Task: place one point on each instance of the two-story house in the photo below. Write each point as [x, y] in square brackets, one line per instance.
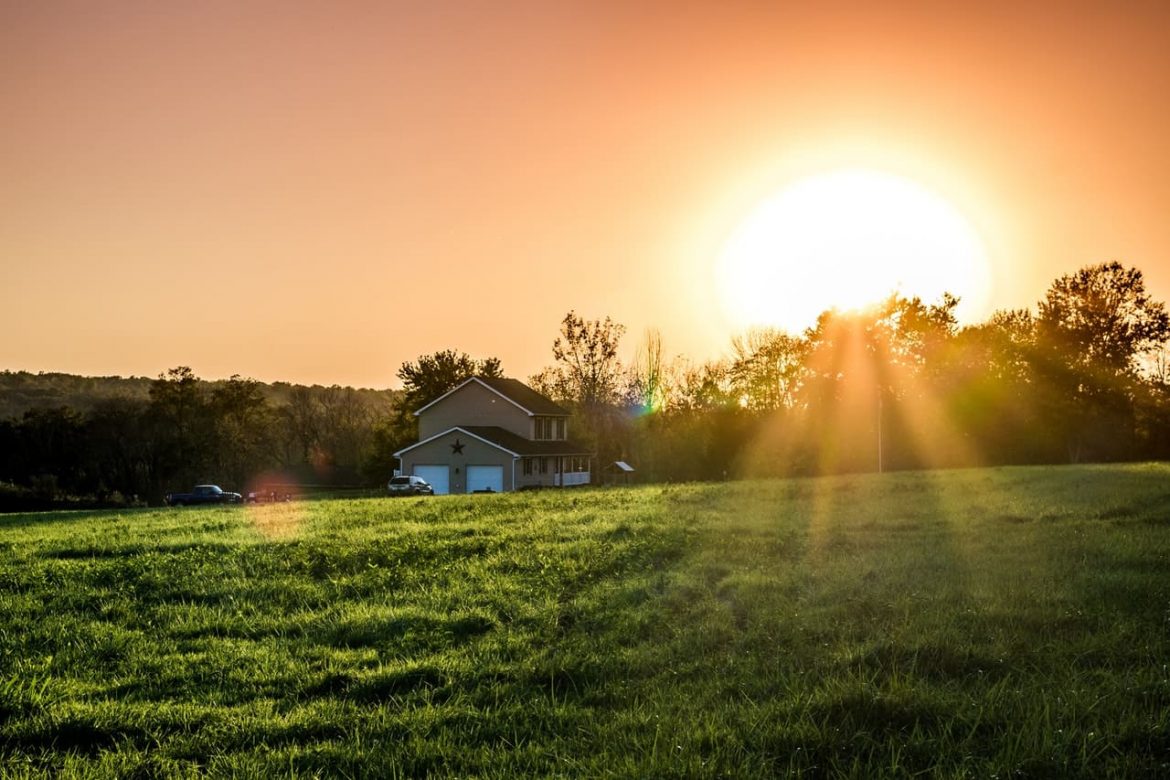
[494, 434]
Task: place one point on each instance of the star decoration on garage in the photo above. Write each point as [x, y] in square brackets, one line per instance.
[457, 448]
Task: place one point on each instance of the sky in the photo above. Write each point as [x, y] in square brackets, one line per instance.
[317, 192]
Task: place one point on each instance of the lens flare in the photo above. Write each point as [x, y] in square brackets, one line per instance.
[274, 506]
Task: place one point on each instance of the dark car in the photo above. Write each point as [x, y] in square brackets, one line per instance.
[204, 494]
[409, 486]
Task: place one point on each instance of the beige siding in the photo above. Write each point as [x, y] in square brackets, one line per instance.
[475, 453]
[473, 404]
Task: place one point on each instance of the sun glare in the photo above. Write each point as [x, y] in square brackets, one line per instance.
[844, 239]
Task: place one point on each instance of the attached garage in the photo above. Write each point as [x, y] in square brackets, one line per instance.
[485, 478]
[487, 458]
[438, 476]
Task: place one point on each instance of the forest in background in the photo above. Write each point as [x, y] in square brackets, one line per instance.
[1084, 376]
[76, 440]
[21, 391]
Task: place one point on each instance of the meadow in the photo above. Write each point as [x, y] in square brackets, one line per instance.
[1008, 622]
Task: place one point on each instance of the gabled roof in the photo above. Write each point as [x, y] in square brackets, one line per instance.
[507, 441]
[512, 390]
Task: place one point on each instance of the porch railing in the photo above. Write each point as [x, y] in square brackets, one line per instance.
[571, 478]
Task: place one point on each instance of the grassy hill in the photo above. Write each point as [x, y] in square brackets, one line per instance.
[1002, 622]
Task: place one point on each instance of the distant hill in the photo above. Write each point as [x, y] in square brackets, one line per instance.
[21, 391]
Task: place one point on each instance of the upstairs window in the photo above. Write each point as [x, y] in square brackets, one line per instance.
[546, 428]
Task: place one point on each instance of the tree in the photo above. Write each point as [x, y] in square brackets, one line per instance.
[1099, 321]
[346, 428]
[704, 388]
[767, 368]
[120, 446]
[648, 383]
[429, 378]
[182, 429]
[433, 375]
[587, 371]
[872, 387]
[301, 425]
[1093, 328]
[988, 380]
[587, 376]
[245, 436]
[52, 442]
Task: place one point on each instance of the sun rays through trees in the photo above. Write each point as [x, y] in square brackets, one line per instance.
[897, 385]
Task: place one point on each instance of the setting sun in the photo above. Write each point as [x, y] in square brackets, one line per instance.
[844, 239]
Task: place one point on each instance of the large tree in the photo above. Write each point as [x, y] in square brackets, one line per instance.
[588, 377]
[988, 380]
[1100, 320]
[426, 379]
[587, 371]
[183, 429]
[767, 368]
[1092, 329]
[244, 430]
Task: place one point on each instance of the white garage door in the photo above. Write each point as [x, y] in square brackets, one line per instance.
[438, 476]
[485, 478]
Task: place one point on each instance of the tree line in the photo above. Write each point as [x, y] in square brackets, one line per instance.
[126, 447]
[1084, 375]
[1081, 377]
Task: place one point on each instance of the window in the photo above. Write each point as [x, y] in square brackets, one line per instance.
[528, 467]
[546, 428]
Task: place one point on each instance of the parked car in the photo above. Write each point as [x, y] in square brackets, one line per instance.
[267, 497]
[409, 486]
[204, 494]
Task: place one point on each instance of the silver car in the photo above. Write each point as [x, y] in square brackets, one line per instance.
[409, 486]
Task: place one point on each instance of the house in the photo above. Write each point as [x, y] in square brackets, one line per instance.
[494, 434]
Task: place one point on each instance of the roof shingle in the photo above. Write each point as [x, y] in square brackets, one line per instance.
[523, 395]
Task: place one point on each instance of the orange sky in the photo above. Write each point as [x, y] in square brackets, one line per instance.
[317, 192]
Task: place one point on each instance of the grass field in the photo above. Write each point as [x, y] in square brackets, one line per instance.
[983, 623]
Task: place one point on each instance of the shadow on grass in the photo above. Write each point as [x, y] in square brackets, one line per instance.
[928, 662]
[381, 686]
[79, 735]
[413, 629]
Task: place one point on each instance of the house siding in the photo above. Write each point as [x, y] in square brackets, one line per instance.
[475, 453]
[474, 404]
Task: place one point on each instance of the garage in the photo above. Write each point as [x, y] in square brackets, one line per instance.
[438, 476]
[484, 478]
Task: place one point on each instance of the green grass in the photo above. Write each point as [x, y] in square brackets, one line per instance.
[982, 623]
